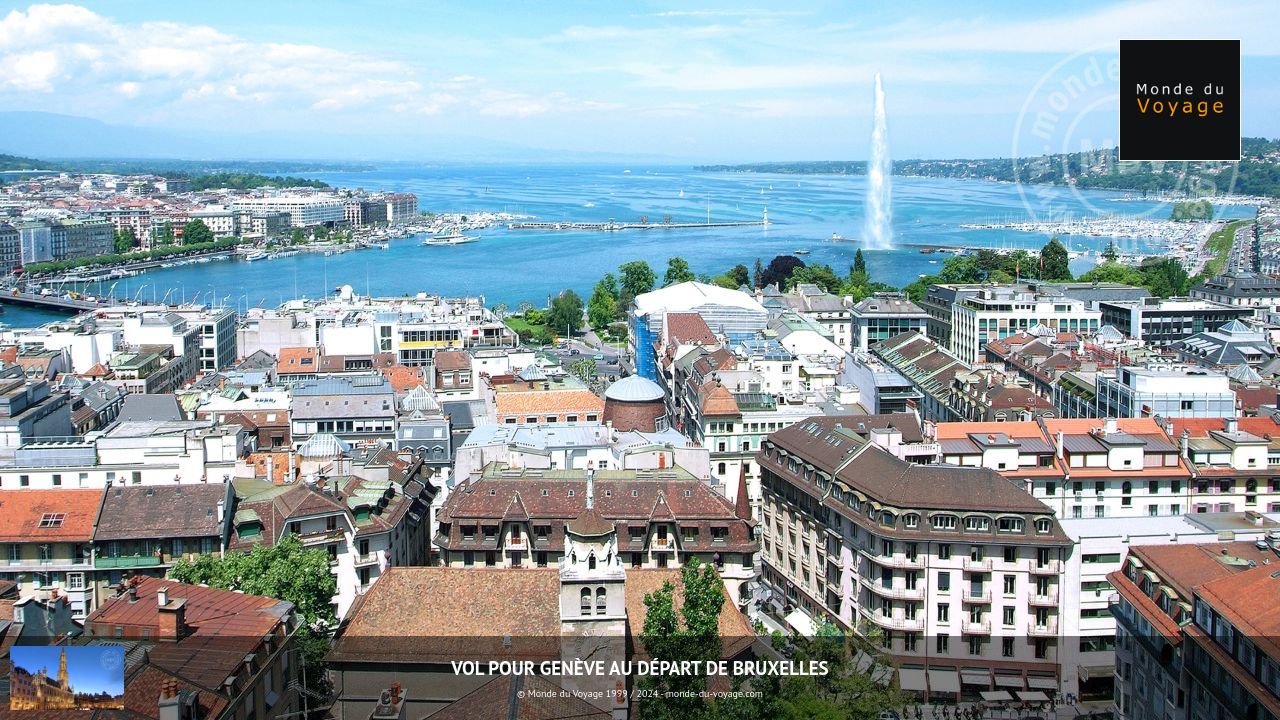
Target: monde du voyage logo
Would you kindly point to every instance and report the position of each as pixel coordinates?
(1180, 100)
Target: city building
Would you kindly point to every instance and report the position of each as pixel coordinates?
(1229, 346)
(10, 248)
(882, 316)
(401, 207)
(31, 689)
(352, 408)
(517, 517)
(828, 310)
(958, 568)
(304, 210)
(1235, 463)
(532, 397)
(880, 388)
(222, 222)
(452, 374)
(1164, 321)
(929, 367)
(1164, 390)
(66, 238)
(724, 311)
(997, 312)
(1260, 293)
(1195, 629)
(30, 410)
(202, 653)
(47, 537)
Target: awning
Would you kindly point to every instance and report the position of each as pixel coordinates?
(801, 623)
(996, 696)
(1044, 683)
(976, 677)
(1014, 681)
(944, 681)
(911, 679)
(1033, 696)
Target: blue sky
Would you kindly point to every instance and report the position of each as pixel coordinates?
(91, 669)
(688, 80)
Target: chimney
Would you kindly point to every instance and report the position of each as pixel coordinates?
(391, 704)
(1058, 450)
(1185, 443)
(1110, 426)
(133, 594)
(1232, 424)
(171, 702)
(591, 487)
(162, 595)
(222, 510)
(173, 620)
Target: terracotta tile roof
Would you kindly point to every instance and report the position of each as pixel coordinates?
(1082, 426)
(98, 371)
(549, 402)
(955, 430)
(520, 697)
(1183, 566)
(717, 400)
(736, 632)
(1200, 427)
(589, 523)
(163, 511)
(688, 328)
(9, 354)
(298, 360)
(1248, 600)
(452, 360)
(142, 690)
(402, 378)
(224, 626)
(60, 514)
(279, 466)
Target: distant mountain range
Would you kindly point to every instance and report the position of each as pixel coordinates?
(52, 136)
(1258, 172)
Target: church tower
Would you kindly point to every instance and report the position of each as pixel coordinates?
(64, 681)
(593, 605)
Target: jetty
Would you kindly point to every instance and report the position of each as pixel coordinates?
(614, 226)
(53, 302)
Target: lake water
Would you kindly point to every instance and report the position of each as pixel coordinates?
(515, 265)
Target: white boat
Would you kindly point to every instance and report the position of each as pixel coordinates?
(255, 255)
(452, 238)
(836, 237)
(802, 252)
(589, 205)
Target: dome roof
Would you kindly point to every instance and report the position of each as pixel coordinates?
(634, 388)
(323, 445)
(590, 524)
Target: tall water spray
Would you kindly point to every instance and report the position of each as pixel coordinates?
(878, 231)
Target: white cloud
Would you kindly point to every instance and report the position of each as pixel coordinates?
(29, 71)
(129, 89)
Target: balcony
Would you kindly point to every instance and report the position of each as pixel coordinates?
(663, 544)
(50, 564)
(897, 623)
(1048, 628)
(1043, 600)
(517, 543)
(128, 561)
(368, 559)
(893, 561)
(896, 593)
(983, 627)
(1052, 567)
(972, 565)
(977, 596)
(324, 537)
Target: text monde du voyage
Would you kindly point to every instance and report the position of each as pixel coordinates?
(1181, 99)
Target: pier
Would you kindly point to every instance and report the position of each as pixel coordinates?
(612, 226)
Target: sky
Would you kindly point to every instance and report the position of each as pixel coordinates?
(730, 81)
(91, 669)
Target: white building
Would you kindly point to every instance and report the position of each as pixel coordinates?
(304, 210)
(1164, 390)
(997, 312)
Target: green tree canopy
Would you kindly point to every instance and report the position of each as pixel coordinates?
(779, 271)
(859, 262)
(739, 275)
(565, 313)
(602, 308)
(666, 638)
(1054, 261)
(821, 275)
(125, 241)
(677, 272)
(637, 278)
(196, 232)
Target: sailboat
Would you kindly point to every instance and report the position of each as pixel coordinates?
(681, 192)
(453, 237)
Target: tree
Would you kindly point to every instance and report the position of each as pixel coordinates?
(1165, 277)
(602, 308)
(565, 313)
(196, 232)
(584, 368)
(739, 275)
(677, 272)
(757, 274)
(859, 262)
(501, 310)
(166, 235)
(1113, 272)
(286, 571)
(856, 684)
(523, 308)
(1054, 261)
(667, 639)
(125, 241)
(821, 275)
(321, 232)
(637, 277)
(779, 271)
(297, 236)
(1110, 254)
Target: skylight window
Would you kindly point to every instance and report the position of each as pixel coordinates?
(52, 520)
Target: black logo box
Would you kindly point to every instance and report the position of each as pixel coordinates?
(1185, 67)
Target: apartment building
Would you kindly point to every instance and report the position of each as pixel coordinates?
(352, 408)
(1195, 629)
(47, 537)
(304, 210)
(813, 303)
(996, 312)
(958, 568)
(206, 653)
(517, 517)
(930, 368)
(365, 523)
(401, 207)
(882, 316)
(1235, 463)
(10, 248)
(1255, 291)
(30, 410)
(1163, 321)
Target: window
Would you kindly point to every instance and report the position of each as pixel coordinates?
(24, 481)
(1010, 554)
(57, 480)
(944, 581)
(1008, 616)
(944, 551)
(601, 602)
(585, 602)
(1006, 646)
(1010, 584)
(490, 558)
(944, 613)
(1011, 525)
(51, 520)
